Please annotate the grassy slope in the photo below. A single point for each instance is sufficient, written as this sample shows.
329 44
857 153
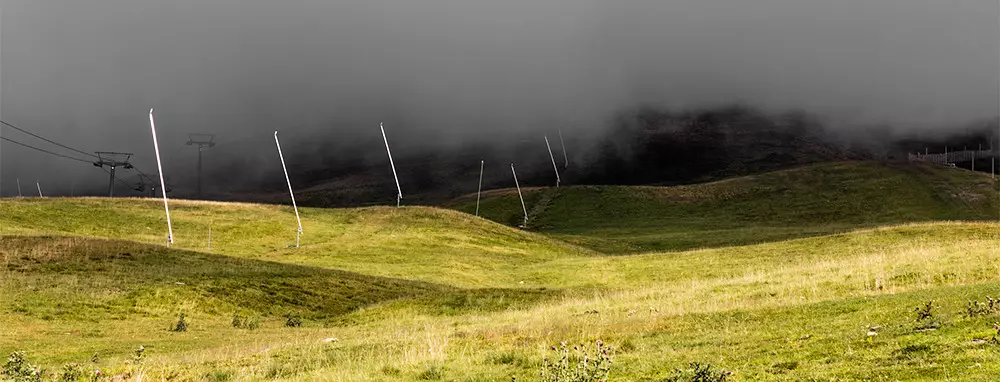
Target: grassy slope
801 202
795 309
410 243
804 304
51 282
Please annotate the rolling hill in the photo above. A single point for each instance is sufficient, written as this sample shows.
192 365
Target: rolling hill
421 293
800 202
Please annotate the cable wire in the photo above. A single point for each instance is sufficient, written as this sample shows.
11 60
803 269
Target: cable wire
45 139
43 150
117 178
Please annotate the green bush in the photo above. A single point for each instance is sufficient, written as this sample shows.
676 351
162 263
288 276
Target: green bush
181 326
926 320
71 372
248 322
581 365
18 369
293 321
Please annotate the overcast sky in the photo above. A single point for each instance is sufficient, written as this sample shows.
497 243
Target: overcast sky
86 72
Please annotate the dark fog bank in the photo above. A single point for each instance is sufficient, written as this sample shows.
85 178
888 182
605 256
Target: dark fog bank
457 82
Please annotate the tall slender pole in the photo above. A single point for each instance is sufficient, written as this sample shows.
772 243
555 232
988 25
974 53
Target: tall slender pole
480 192
563 144
399 191
39 189
290 192
111 183
199 172
553 158
523 207
163 183
19 188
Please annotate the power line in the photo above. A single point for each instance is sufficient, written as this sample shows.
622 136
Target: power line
117 178
45 139
43 150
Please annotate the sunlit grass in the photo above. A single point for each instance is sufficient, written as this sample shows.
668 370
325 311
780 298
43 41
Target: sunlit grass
412 293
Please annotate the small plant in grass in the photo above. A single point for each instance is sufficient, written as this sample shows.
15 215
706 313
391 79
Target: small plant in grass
926 320
432 373
996 336
181 325
580 365
71 372
976 308
293 320
252 323
137 355
18 369
699 372
249 322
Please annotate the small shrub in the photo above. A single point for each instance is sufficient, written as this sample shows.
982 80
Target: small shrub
580 366
71 372
976 308
432 373
248 322
137 355
252 323
18 369
996 337
293 321
95 358
181 326
698 372
925 312
926 320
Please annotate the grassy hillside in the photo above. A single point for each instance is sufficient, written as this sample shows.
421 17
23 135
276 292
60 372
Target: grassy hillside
91 287
416 243
418 293
807 201
798 309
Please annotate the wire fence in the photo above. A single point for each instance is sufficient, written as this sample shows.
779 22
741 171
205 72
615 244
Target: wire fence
952 157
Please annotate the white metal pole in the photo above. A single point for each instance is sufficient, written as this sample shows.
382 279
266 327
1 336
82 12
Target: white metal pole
479 194
399 191
290 192
163 184
39 189
523 207
553 158
563 144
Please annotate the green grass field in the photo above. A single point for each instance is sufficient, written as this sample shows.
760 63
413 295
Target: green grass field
801 202
805 274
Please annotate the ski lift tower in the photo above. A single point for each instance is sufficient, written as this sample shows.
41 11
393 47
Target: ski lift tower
202 140
113 160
